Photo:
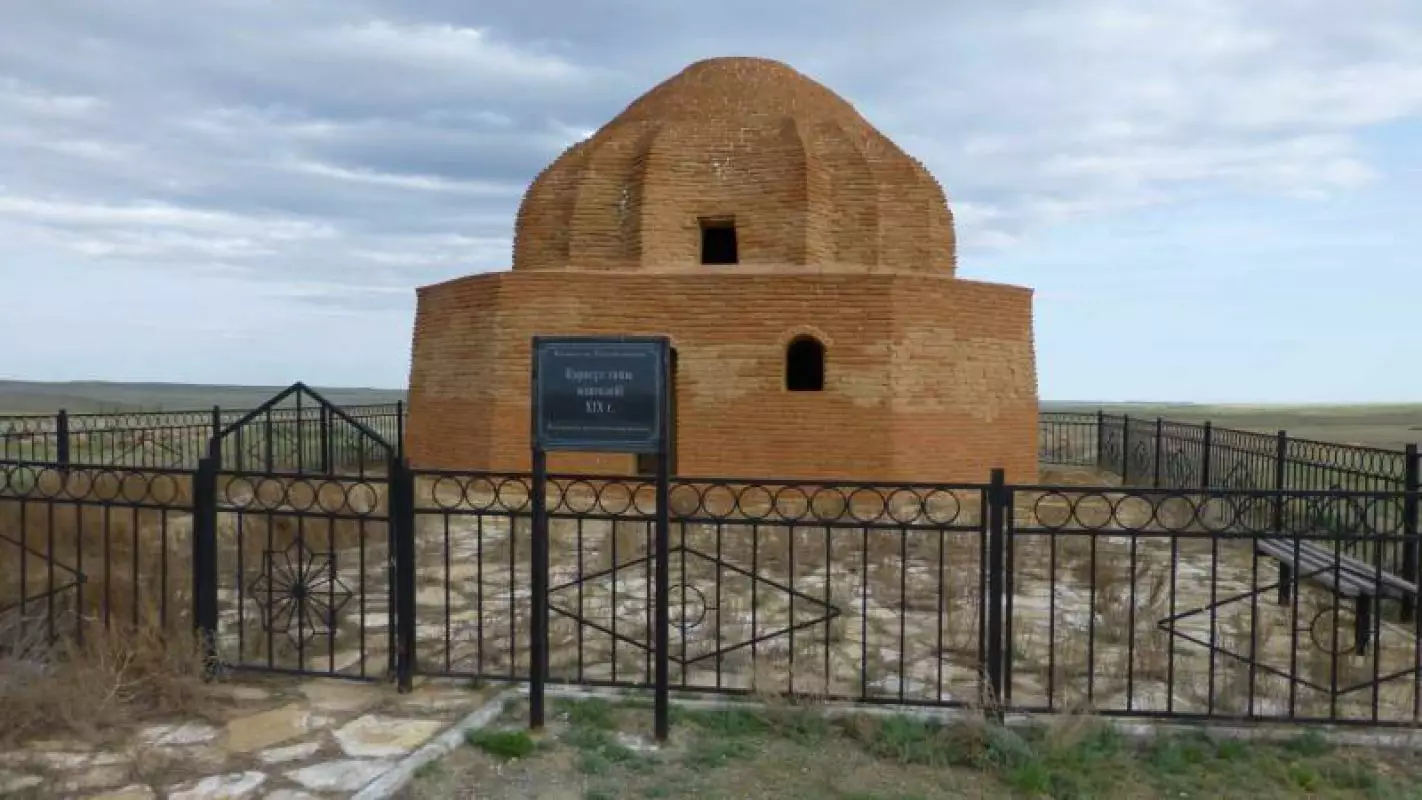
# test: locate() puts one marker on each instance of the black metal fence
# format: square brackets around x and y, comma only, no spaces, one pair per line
[1147,452]
[1180,455]
[1219,604]
[289,437]
[1178,598]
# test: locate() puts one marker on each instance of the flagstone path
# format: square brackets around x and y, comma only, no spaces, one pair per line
[284,739]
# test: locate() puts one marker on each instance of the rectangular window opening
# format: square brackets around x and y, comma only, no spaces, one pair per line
[718,241]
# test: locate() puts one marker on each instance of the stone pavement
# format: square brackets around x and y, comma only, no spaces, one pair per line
[282,739]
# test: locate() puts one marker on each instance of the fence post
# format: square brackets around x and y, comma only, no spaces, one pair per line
[1205,465]
[268,443]
[1281,459]
[538,574]
[214,448]
[997,536]
[61,435]
[1281,449]
[400,427]
[1125,448]
[402,524]
[1410,527]
[1159,424]
[326,441]
[1100,439]
[205,561]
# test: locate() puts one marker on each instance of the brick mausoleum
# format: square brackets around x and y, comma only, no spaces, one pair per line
[803,267]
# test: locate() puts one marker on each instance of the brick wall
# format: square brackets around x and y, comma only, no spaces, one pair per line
[927,377]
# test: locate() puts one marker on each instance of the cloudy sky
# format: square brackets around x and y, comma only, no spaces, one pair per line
[1216,200]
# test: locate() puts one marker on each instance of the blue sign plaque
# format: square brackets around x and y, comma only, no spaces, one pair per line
[600,394]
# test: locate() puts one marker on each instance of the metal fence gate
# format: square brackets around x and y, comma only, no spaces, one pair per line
[296,569]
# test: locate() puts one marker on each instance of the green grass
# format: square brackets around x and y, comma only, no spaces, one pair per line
[1093,760]
[592,713]
[591,730]
[502,744]
[756,752]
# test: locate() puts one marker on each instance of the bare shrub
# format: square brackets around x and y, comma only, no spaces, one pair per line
[92,686]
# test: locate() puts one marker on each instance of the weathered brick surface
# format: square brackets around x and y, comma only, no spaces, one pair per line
[807,180]
[841,236]
[926,378]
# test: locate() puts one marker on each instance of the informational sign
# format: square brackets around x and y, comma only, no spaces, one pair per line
[603,395]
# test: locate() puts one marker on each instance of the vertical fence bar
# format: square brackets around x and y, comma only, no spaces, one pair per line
[1281,462]
[1205,457]
[1159,425]
[1100,439]
[205,560]
[996,532]
[1410,482]
[538,646]
[61,435]
[402,524]
[216,431]
[300,438]
[663,589]
[1125,472]
[325,441]
[400,427]
[268,443]
[1281,450]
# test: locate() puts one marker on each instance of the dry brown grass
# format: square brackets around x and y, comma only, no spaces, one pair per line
[96,577]
[85,658]
[127,535]
[95,687]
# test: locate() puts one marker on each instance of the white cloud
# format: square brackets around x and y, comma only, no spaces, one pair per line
[59,212]
[426,183]
[1112,101]
[440,47]
[21,98]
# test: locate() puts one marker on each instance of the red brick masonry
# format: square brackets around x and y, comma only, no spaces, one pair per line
[841,236]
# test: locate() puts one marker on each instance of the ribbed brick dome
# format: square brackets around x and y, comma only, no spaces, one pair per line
[805,180]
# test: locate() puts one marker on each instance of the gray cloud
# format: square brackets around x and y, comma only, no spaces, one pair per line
[382,145]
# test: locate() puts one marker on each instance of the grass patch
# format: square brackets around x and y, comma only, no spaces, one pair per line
[751,751]
[595,713]
[732,723]
[599,752]
[710,752]
[505,745]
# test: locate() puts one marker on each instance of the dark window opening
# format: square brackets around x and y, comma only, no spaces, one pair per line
[718,242]
[647,462]
[805,365]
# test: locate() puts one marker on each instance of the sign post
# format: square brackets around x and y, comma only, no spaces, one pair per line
[600,395]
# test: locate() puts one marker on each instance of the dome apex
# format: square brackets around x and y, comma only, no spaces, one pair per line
[742,144]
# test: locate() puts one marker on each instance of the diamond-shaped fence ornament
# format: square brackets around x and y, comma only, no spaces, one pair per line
[696,603]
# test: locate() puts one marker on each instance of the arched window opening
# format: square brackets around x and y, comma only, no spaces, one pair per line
[805,365]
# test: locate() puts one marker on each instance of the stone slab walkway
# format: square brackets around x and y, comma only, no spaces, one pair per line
[283,739]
